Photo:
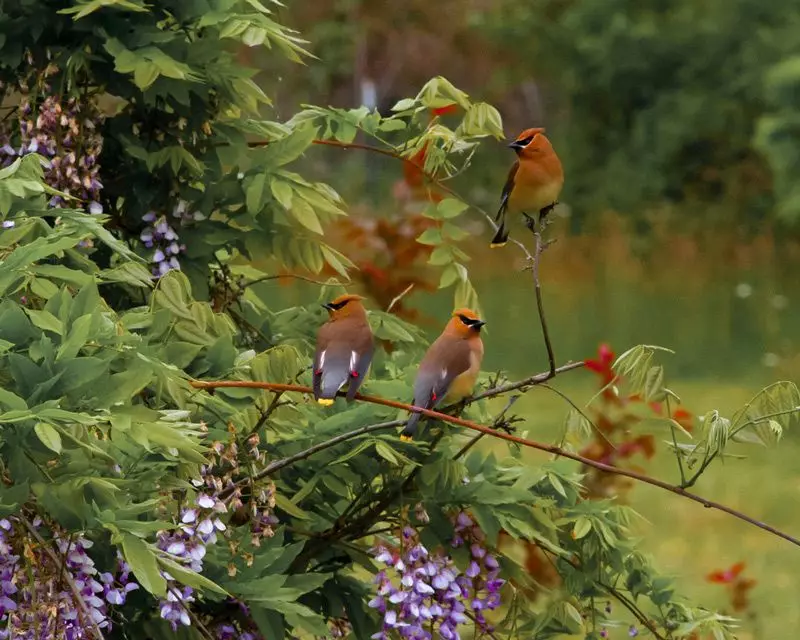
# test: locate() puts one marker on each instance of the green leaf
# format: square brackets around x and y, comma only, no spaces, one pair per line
[77,337]
[581,528]
[282,191]
[12,401]
[190,578]
[81,371]
[284,504]
[431,236]
[254,194]
[144,565]
[404,104]
[450,208]
[48,435]
[453,232]
[387,453]
[305,215]
[45,320]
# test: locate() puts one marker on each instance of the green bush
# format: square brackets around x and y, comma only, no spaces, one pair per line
[140,180]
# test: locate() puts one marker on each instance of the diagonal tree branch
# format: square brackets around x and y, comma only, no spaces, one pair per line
[541,446]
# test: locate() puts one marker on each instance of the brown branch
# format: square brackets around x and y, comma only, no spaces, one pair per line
[76,593]
[292,276]
[541,446]
[523,384]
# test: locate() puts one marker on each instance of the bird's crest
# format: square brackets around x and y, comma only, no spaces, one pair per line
[528,135]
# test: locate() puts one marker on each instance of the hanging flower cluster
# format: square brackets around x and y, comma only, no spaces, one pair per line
[161,236]
[200,524]
[421,591]
[37,601]
[65,131]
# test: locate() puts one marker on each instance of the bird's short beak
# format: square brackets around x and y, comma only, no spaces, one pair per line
[478,324]
[516,146]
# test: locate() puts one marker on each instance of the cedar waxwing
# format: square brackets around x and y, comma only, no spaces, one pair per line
[344,349]
[534,182]
[449,369]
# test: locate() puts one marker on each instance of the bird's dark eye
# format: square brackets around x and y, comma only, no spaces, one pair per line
[525,141]
[467,321]
[338,305]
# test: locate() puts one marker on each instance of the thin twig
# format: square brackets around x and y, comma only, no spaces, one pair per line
[307,453]
[541,446]
[293,276]
[399,297]
[76,593]
[524,384]
[638,614]
[262,419]
[540,247]
[495,424]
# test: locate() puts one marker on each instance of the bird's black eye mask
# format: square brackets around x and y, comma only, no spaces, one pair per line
[472,323]
[525,141]
[335,306]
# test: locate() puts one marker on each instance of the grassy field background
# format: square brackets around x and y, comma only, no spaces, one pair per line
[688,541]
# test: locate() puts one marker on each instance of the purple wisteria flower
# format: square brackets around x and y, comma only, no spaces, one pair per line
[420,591]
[65,131]
[161,235]
[36,603]
[188,543]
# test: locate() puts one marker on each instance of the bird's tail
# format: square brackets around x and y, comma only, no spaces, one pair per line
[410,429]
[501,236]
[328,388]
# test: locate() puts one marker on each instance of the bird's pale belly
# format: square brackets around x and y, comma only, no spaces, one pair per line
[461,387]
[532,199]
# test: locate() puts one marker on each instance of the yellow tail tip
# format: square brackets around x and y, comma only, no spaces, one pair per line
[497,245]
[325,402]
[405,438]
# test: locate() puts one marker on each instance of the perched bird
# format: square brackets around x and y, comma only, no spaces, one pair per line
[449,369]
[344,349]
[534,182]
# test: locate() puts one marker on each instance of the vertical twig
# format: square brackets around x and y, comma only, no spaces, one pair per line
[540,247]
[675,443]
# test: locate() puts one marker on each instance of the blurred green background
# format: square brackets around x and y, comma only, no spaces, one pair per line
[678,123]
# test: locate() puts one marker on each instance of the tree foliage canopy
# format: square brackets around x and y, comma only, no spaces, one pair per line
[140,180]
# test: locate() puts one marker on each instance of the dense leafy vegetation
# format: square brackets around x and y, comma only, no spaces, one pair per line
[140,183]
